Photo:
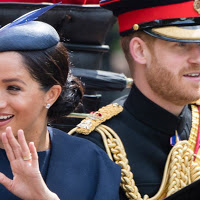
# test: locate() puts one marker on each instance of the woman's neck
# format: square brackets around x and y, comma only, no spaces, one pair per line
[41,141]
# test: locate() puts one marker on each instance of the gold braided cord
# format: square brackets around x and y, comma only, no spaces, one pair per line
[71,132]
[195,172]
[194,129]
[117,153]
[176,173]
[195,168]
[180,169]
[119,156]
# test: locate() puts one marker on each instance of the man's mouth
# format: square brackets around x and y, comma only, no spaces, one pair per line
[192,75]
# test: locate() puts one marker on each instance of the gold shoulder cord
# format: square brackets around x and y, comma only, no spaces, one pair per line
[180,169]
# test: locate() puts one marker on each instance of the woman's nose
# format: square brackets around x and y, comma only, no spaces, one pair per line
[3,102]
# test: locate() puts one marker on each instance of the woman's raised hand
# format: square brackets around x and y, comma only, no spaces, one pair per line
[27,182]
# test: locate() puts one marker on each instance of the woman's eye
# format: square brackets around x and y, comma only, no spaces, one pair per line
[13,88]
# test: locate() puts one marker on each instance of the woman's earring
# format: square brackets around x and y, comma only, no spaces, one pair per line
[48,106]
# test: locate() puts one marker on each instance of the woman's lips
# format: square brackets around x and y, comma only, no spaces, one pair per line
[5,119]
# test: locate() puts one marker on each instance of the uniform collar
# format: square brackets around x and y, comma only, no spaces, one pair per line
[155,116]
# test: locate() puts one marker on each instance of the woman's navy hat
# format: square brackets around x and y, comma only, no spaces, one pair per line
[26,34]
[172,20]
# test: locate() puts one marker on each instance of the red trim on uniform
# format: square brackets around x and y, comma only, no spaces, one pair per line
[179,10]
[107,2]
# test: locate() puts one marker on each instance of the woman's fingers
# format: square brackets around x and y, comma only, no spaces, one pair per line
[6,181]
[26,155]
[13,143]
[9,151]
[19,149]
[34,154]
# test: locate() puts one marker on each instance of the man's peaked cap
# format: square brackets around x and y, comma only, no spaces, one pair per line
[173,20]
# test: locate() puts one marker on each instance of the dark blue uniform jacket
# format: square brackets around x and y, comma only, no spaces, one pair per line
[145,130]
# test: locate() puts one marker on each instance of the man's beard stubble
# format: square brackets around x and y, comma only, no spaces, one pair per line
[167,86]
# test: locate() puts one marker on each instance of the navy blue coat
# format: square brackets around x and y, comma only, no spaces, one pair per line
[75,169]
[79,170]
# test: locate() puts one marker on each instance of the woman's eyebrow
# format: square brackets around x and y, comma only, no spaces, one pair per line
[13,80]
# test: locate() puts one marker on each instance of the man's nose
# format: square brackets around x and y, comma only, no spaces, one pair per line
[194,56]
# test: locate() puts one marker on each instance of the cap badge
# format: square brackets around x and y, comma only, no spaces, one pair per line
[196,5]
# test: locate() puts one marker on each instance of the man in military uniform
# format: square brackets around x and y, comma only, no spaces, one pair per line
[161,41]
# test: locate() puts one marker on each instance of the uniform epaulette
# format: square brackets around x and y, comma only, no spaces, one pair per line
[96,118]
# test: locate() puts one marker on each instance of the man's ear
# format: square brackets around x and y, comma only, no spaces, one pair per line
[138,50]
[52,94]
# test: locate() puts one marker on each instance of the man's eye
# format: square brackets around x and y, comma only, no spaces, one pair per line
[13,88]
[181,44]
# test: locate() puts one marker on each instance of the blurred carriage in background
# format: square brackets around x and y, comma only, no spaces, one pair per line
[84,29]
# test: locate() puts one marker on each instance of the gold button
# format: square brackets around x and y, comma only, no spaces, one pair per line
[135,27]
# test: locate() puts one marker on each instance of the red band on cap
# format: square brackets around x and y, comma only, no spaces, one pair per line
[180,10]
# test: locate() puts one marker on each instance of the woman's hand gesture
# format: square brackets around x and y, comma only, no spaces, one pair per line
[27,182]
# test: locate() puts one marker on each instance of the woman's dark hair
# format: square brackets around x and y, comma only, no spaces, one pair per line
[51,67]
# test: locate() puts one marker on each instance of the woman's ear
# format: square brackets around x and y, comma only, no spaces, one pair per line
[138,50]
[52,94]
